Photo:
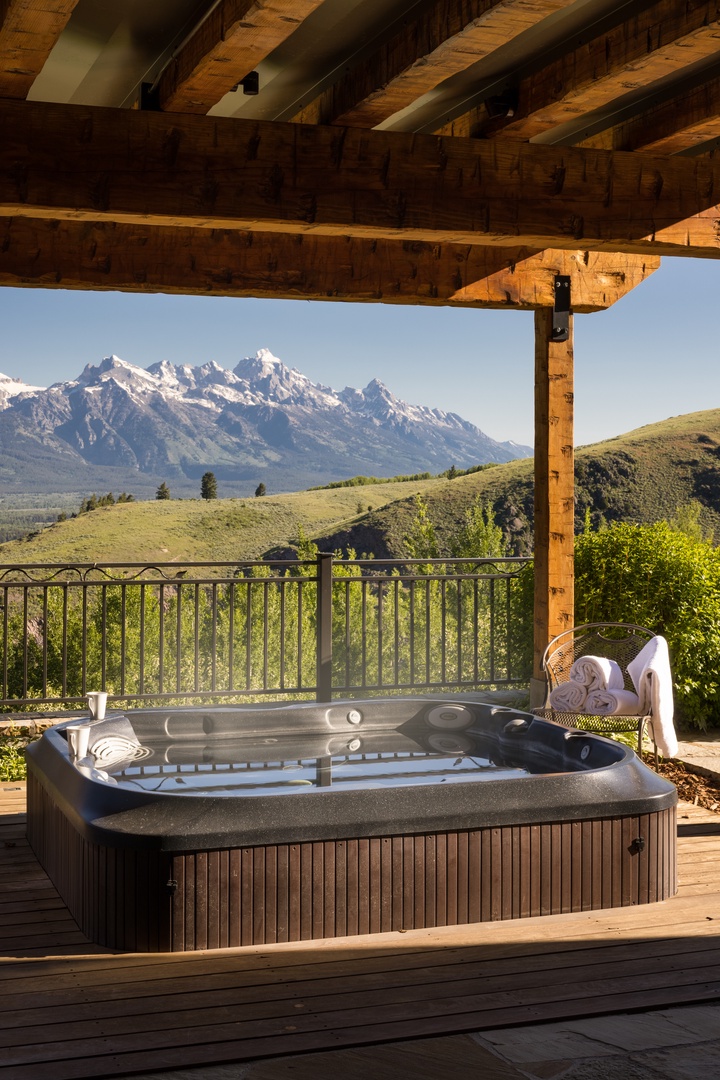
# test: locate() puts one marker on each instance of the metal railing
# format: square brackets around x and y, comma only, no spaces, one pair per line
[197,632]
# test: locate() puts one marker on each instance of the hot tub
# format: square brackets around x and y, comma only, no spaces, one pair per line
[199,828]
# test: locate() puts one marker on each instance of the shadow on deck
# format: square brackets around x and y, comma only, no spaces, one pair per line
[72,1009]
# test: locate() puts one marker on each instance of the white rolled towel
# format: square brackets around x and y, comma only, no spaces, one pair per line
[612,703]
[568,697]
[597,673]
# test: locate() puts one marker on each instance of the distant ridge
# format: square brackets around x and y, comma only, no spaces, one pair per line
[118,426]
[643,476]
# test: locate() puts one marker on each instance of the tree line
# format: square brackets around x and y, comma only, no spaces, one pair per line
[208,488]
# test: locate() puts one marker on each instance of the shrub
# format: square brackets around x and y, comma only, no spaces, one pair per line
[12,758]
[658,577]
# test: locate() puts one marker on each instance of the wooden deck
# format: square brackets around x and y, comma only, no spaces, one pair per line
[71,1009]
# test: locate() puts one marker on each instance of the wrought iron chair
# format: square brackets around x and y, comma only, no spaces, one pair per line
[620,642]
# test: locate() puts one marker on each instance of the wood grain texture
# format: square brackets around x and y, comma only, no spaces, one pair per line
[73,1009]
[651,45]
[439,43]
[28,31]
[683,123]
[554,487]
[137,258]
[90,164]
[145,900]
[235,37]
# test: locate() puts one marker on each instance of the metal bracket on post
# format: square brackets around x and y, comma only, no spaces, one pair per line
[561,308]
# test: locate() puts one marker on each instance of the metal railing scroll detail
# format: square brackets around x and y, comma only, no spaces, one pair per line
[201,632]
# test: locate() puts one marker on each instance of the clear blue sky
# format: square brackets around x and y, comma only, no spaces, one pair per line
[653,355]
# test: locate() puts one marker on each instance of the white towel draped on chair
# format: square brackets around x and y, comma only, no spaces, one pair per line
[612,703]
[650,673]
[597,673]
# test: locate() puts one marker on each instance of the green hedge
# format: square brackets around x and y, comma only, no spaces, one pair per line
[658,577]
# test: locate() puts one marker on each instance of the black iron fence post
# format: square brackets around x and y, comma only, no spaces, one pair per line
[324,625]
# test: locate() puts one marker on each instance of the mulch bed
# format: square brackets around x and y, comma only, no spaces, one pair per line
[691,787]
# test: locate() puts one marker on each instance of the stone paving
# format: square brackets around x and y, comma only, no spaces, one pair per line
[680,1043]
[701,752]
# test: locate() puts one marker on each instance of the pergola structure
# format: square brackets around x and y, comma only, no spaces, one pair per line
[520,154]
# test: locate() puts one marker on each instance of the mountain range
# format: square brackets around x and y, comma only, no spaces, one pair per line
[122,427]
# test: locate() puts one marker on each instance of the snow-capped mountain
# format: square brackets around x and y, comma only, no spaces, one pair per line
[260,421]
[12,388]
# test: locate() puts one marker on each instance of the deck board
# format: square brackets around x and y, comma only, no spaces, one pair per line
[75,1010]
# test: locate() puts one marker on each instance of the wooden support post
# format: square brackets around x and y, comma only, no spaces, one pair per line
[554,488]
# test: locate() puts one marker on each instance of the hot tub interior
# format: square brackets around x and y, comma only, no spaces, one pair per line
[488,812]
[287,753]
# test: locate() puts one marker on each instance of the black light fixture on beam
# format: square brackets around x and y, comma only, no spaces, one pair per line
[502,105]
[250,84]
[149,100]
[561,308]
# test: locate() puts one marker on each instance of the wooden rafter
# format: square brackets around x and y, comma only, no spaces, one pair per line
[443,40]
[680,124]
[227,46]
[137,258]
[28,32]
[83,163]
[656,42]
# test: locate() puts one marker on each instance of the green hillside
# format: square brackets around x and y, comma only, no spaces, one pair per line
[195,530]
[642,476]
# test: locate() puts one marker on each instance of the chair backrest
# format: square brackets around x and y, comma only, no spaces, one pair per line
[620,642]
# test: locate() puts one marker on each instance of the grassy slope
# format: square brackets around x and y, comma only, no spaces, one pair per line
[195,530]
[641,476]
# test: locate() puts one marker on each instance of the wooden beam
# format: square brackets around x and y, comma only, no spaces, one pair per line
[444,40]
[598,279]
[228,45]
[554,486]
[28,32]
[142,258]
[655,43]
[683,123]
[83,163]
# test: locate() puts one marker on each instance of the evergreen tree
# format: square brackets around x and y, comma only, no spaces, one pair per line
[260,490]
[208,486]
[163,492]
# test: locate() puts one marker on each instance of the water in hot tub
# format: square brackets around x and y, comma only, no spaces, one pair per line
[278,765]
